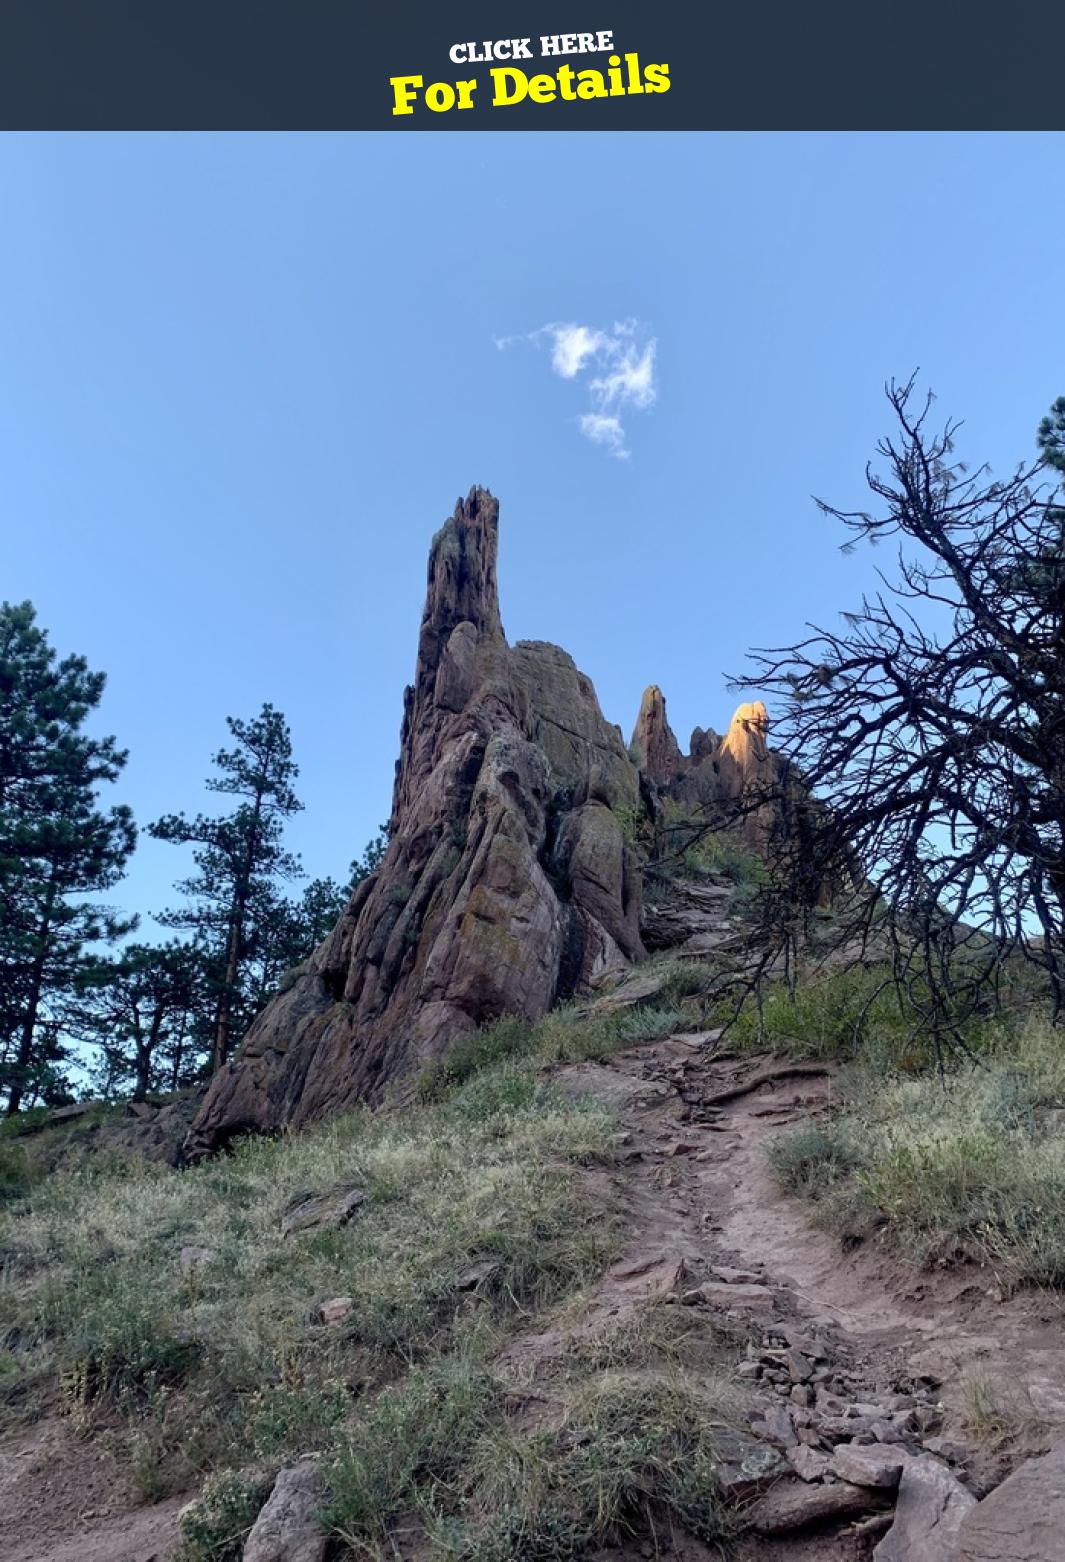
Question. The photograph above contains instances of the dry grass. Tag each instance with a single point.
(967, 1166)
(227, 1364)
(996, 1413)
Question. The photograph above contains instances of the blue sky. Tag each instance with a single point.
(244, 378)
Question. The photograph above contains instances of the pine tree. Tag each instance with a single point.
(138, 1009)
(239, 858)
(56, 846)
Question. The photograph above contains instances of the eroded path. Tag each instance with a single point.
(702, 1206)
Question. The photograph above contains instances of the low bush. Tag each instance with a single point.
(967, 1164)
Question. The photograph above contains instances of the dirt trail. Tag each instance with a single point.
(699, 1192)
(65, 1499)
(700, 1186)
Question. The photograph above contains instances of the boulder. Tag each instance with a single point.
(287, 1529)
(929, 1510)
(1023, 1520)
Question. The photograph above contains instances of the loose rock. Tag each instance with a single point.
(286, 1529)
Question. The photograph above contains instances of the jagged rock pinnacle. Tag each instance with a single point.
(506, 885)
(653, 738)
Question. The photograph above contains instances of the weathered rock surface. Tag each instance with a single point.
(929, 1511)
(287, 1529)
(868, 1464)
(509, 881)
(796, 1505)
(1023, 1520)
(334, 1208)
(652, 738)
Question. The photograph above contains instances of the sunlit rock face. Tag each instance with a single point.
(735, 779)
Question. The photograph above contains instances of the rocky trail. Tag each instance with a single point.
(858, 1364)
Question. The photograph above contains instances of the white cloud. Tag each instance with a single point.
(573, 346)
(633, 380)
(624, 360)
(604, 429)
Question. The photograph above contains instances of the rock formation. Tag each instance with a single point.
(508, 882)
(655, 748)
(737, 778)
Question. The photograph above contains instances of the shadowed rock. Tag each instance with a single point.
(507, 882)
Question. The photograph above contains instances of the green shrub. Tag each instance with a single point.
(813, 1159)
(853, 1013)
(215, 1529)
(966, 1165)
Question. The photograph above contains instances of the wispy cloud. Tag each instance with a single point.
(603, 428)
(623, 361)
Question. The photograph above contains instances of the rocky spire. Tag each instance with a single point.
(745, 745)
(506, 885)
(653, 738)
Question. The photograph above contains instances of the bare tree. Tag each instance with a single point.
(931, 725)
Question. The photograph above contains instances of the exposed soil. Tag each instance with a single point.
(64, 1498)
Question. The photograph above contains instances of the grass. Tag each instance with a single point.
(31, 1145)
(448, 1453)
(995, 1413)
(570, 1033)
(846, 1014)
(966, 1166)
(226, 1364)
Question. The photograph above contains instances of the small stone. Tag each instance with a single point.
(335, 1309)
(801, 1394)
(797, 1364)
(749, 1369)
(474, 1277)
(751, 1472)
(775, 1426)
(808, 1463)
(946, 1448)
(715, 1294)
(735, 1276)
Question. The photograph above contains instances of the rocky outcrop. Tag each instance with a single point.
(507, 883)
(1023, 1520)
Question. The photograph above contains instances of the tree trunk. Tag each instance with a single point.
(146, 1052)
(29, 1024)
(236, 934)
